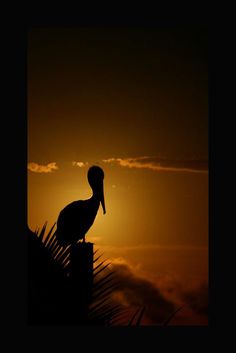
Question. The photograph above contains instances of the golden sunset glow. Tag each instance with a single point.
(133, 101)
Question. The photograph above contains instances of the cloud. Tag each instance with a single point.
(161, 164)
(197, 298)
(160, 298)
(37, 168)
(136, 291)
(79, 164)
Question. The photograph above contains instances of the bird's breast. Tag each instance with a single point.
(77, 217)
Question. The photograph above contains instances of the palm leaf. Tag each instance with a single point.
(63, 254)
(133, 317)
(49, 234)
(99, 265)
(52, 241)
(166, 322)
(41, 234)
(97, 258)
(102, 310)
(105, 292)
(102, 269)
(103, 279)
(140, 316)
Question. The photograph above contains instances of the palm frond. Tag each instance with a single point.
(99, 265)
(102, 269)
(52, 242)
(41, 234)
(97, 258)
(140, 316)
(63, 301)
(48, 235)
(133, 317)
(166, 322)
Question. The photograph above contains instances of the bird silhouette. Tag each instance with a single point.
(77, 217)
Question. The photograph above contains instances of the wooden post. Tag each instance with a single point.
(81, 275)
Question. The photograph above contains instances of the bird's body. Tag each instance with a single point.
(75, 220)
(77, 217)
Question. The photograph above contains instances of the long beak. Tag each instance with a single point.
(102, 200)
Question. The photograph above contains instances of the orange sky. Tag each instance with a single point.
(133, 101)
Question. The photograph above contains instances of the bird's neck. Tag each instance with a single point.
(96, 196)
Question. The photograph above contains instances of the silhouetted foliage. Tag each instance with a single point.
(56, 297)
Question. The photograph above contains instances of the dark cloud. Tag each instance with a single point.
(137, 292)
(197, 299)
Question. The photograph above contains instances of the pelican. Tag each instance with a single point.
(77, 217)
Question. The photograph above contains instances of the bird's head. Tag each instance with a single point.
(95, 179)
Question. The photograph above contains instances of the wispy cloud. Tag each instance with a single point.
(79, 164)
(39, 168)
(161, 164)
